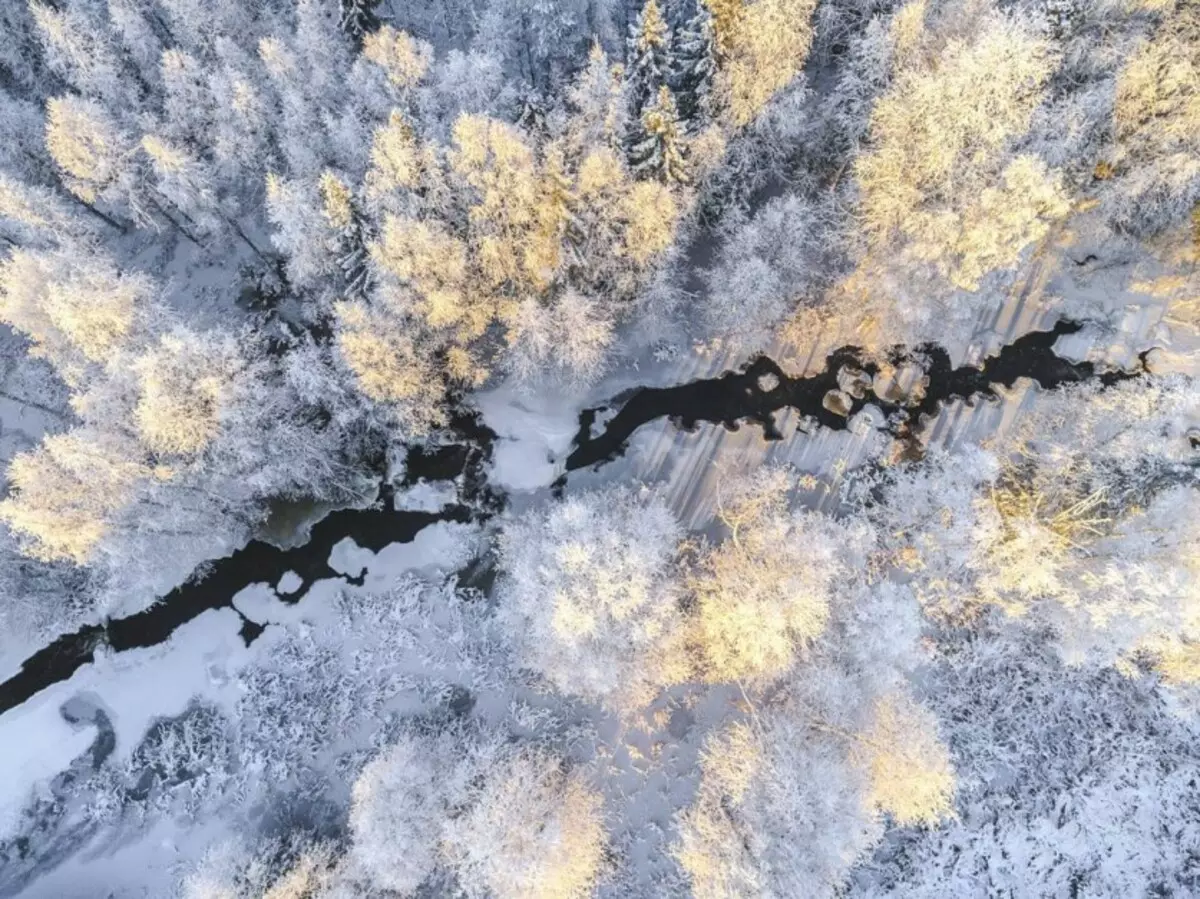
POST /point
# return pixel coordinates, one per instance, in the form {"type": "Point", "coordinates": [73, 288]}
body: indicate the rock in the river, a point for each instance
{"type": "Point", "coordinates": [904, 383]}
{"type": "Point", "coordinates": [838, 402]}
{"type": "Point", "coordinates": [853, 381]}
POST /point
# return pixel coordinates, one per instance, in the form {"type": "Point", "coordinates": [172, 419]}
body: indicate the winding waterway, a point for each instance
{"type": "Point", "coordinates": [752, 394]}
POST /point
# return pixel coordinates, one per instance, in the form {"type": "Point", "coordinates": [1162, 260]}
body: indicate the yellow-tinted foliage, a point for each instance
{"type": "Point", "coordinates": [1177, 660]}
{"type": "Point", "coordinates": [1157, 112]}
{"type": "Point", "coordinates": [63, 494]}
{"type": "Point", "coordinates": [183, 380]}
{"type": "Point", "coordinates": [405, 59]}
{"type": "Point", "coordinates": [1027, 541]}
{"type": "Point", "coordinates": [85, 143]}
{"type": "Point", "coordinates": [908, 28]}
{"type": "Point", "coordinates": [755, 601]}
{"type": "Point", "coordinates": [387, 364]}
{"type": "Point", "coordinates": [543, 251]}
{"type": "Point", "coordinates": [494, 159]}
{"type": "Point", "coordinates": [396, 160]}
{"type": "Point", "coordinates": [987, 234]}
{"type": "Point", "coordinates": [434, 264]}
{"type": "Point", "coordinates": [660, 121]}
{"type": "Point", "coordinates": [166, 157]}
{"type": "Point", "coordinates": [336, 201]}
{"type": "Point", "coordinates": [938, 176]}
{"type": "Point", "coordinates": [306, 879]}
{"type": "Point", "coordinates": [727, 18]}
{"type": "Point", "coordinates": [651, 214]}
{"type": "Point", "coordinates": [765, 48]}
{"type": "Point", "coordinates": [600, 172]}
{"type": "Point", "coordinates": [71, 317]}
{"type": "Point", "coordinates": [462, 366]}
{"type": "Point", "coordinates": [653, 33]}
{"type": "Point", "coordinates": [909, 768]}
{"type": "Point", "coordinates": [96, 311]}
{"type": "Point", "coordinates": [710, 848]}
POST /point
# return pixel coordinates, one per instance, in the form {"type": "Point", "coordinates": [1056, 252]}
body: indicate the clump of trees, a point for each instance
{"type": "Point", "coordinates": [799, 788]}
{"type": "Point", "coordinates": [1157, 108]}
{"type": "Point", "coordinates": [591, 599]}
{"type": "Point", "coordinates": [764, 592]}
{"type": "Point", "coordinates": [445, 808]}
{"type": "Point", "coordinates": [374, 222]}
{"type": "Point", "coordinates": [1068, 525]}
{"type": "Point", "coordinates": [940, 179]}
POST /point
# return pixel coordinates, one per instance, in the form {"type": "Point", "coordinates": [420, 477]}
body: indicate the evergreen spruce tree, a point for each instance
{"type": "Point", "coordinates": [357, 18]}
{"type": "Point", "coordinates": [659, 149]}
{"type": "Point", "coordinates": [647, 64]}
{"type": "Point", "coordinates": [694, 66]}
{"type": "Point", "coordinates": [343, 215]}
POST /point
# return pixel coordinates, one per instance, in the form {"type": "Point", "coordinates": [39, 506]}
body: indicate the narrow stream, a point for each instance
{"type": "Point", "coordinates": [734, 397]}
{"type": "Point", "coordinates": [752, 394]}
{"type": "Point", "coordinates": [372, 528]}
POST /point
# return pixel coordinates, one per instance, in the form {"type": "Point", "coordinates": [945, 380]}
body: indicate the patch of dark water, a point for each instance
{"type": "Point", "coordinates": [216, 583]}
{"type": "Point", "coordinates": [761, 388]}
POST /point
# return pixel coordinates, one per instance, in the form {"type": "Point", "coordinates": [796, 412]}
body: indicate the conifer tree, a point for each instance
{"type": "Point", "coordinates": [658, 149]}
{"type": "Point", "coordinates": [343, 215]}
{"type": "Point", "coordinates": [357, 18]}
{"type": "Point", "coordinates": [694, 66]}
{"type": "Point", "coordinates": [647, 59]}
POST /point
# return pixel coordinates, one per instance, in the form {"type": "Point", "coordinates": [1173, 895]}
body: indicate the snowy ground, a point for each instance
{"type": "Point", "coordinates": [135, 689]}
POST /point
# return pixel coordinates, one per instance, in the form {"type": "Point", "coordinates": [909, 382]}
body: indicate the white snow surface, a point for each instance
{"type": "Point", "coordinates": [40, 744]}
{"type": "Point", "coordinates": [136, 688]}
{"type": "Point", "coordinates": [427, 496]}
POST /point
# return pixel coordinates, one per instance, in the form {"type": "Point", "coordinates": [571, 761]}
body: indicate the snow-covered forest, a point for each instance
{"type": "Point", "coordinates": [545, 449]}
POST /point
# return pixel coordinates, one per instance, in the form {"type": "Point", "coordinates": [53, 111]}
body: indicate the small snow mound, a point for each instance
{"type": "Point", "coordinates": [350, 559]}
{"type": "Point", "coordinates": [426, 496]}
{"type": "Point", "coordinates": [768, 382]}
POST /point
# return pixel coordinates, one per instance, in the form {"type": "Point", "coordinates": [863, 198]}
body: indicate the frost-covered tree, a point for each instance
{"type": "Point", "coordinates": [77, 309]}
{"type": "Point", "coordinates": [647, 59]}
{"type": "Point", "coordinates": [567, 342]}
{"type": "Point", "coordinates": [590, 596]}
{"type": "Point", "coordinates": [273, 869]}
{"type": "Point", "coordinates": [694, 68]}
{"type": "Point", "coordinates": [389, 366]}
{"type": "Point", "coordinates": [763, 46]}
{"type": "Point", "coordinates": [533, 830]}
{"type": "Point", "coordinates": [1057, 792]}
{"type": "Point", "coordinates": [940, 180]}
{"type": "Point", "coordinates": [764, 591]}
{"type": "Point", "coordinates": [790, 799]}
{"type": "Point", "coordinates": [185, 381]}
{"type": "Point", "coordinates": [401, 803]}
{"type": "Point", "coordinates": [1068, 527]}
{"type": "Point", "coordinates": [65, 495]}
{"type": "Point", "coordinates": [767, 267]}
{"type": "Point", "coordinates": [1156, 119]}
{"type": "Point", "coordinates": [658, 148]}
{"type": "Point", "coordinates": [358, 17]}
